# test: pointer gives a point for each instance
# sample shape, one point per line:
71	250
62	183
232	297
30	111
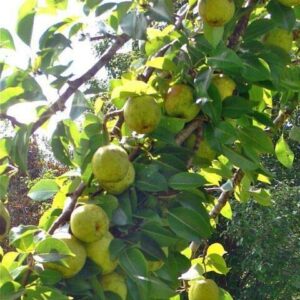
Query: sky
81	54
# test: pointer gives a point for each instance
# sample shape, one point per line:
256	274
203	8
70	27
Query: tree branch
69	207
59	104
241	25
12	120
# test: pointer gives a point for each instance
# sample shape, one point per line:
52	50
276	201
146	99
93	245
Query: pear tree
155	161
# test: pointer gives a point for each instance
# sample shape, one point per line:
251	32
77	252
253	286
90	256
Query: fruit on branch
89	223
204	153
204	289
110	163
224	85
118	187
99	253
115	283
216	13
4	221
279	37
142	114
180	103
73	263
289	3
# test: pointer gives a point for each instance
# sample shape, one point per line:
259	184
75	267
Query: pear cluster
90	238
112	168
280	38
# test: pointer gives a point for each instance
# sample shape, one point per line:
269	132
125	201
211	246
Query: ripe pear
279	37
118	187
179	103
89	223
224	84
4	221
142	114
74	263
99	253
115	283
289	3
110	163
204	289
216	13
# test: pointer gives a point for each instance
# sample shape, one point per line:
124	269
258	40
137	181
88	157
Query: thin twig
102	37
12	120
69	207
59	104
109	116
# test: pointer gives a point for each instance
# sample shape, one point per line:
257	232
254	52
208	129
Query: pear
224	84
4	221
110	163
89	223
73	263
179	103
280	38
142	114
204	289
289	3
115	283
216	13
99	253
118	187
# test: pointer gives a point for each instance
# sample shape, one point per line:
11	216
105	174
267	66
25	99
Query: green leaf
224	295
257	28
25	20
261	196
256	138
239	160
189	224
6	40
9	93
284	153
235	107
294	135
255	69
216	263
43	190
5	146
79	105
20	147
4	181
186	181
162	10
134	24
133	262
213	34
58	4
161	63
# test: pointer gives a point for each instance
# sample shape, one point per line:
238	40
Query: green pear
118	187
4	221
89	223
216	13
115	283
99	253
289	3
204	289
73	263
110	163
142	114
179	103
224	85
280	38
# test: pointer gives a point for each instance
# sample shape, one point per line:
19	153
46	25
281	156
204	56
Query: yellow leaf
216	248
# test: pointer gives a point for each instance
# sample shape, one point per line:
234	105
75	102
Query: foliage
172	210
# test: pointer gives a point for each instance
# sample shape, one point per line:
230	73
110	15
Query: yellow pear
118	187
216	13
224	84
204	289
142	114
180	103
4	221
74	263
110	163
289	3
89	223
115	283
99	253
279	37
